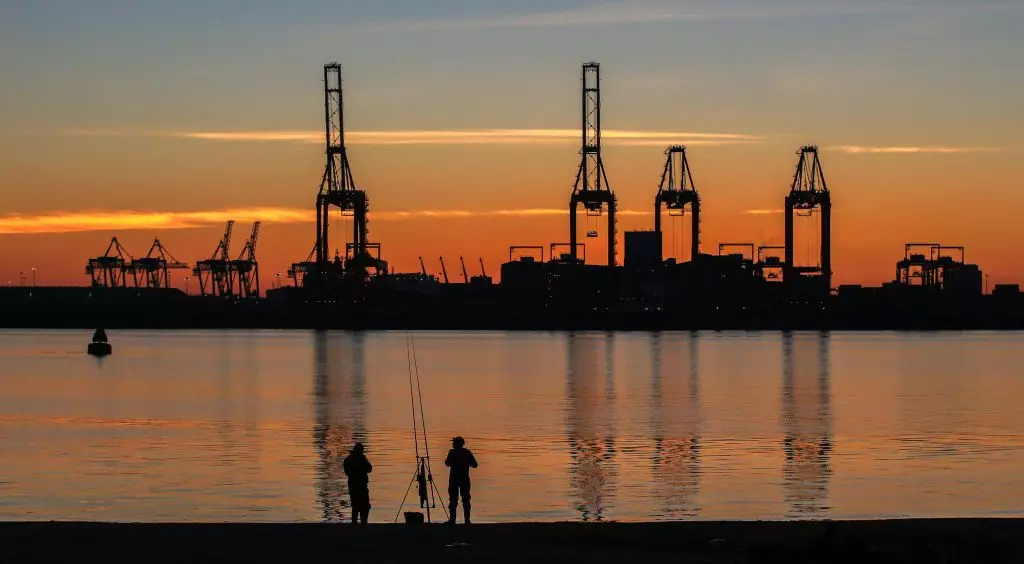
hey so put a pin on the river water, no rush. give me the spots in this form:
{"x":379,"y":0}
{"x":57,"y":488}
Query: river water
{"x":253,"y":425}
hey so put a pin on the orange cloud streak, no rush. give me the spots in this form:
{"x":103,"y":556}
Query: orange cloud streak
{"x":72,"y":222}
{"x":448,"y":137}
{"x":903,"y":150}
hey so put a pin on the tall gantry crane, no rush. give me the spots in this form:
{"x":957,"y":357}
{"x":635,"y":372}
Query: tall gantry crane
{"x":245,"y":269}
{"x":152,"y":270}
{"x":338,"y":187}
{"x":592,"y":190}
{"x":112,"y":269}
{"x":215,"y":273}
{"x":677,"y":191}
{"x":807,"y":195}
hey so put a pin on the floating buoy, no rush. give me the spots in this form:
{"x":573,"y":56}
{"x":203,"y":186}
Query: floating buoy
{"x":99,"y":345}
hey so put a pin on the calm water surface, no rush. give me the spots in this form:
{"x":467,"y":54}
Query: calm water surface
{"x":253,"y":425}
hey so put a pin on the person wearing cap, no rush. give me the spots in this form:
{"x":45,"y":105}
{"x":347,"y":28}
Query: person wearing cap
{"x":357,"y":468}
{"x":460,"y":460}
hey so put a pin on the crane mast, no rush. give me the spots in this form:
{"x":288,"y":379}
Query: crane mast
{"x":591,"y":190}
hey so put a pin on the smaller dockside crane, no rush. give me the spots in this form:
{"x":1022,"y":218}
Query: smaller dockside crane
{"x":152,"y":270}
{"x":215,"y":273}
{"x":677,"y":192}
{"x":465,"y":277}
{"x":245,"y":270}
{"x":808,"y":195}
{"x":112,"y":269}
{"x":444,"y":271}
{"x":482,"y":278}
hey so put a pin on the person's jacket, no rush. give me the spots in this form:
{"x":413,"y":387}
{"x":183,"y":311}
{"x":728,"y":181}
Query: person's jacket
{"x":460,"y":460}
{"x":357,"y":468}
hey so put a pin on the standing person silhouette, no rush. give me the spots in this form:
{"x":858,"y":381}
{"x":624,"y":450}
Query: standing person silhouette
{"x":460,"y":460}
{"x":357,"y":468}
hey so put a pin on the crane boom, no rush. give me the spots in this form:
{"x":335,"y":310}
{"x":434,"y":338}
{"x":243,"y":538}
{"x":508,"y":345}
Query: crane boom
{"x":444,"y":271}
{"x":465,"y":277}
{"x":423,"y":268}
{"x":482,"y":269}
{"x":249,"y":251}
{"x":225,"y":243}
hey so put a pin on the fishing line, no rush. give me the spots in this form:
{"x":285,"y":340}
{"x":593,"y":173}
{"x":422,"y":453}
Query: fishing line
{"x":423,"y":476}
{"x":419,"y":392}
{"x":412,"y":399}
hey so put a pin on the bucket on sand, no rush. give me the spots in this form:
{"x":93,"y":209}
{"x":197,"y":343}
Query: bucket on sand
{"x":413,"y":518}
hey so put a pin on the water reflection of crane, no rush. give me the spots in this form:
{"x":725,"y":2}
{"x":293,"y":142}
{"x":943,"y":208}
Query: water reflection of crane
{"x":590,"y":423}
{"x":339,"y":408}
{"x":807,"y":423}
{"x":675,"y":421}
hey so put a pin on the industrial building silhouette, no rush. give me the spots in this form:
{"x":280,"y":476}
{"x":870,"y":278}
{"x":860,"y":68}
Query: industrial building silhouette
{"x":548,"y":284}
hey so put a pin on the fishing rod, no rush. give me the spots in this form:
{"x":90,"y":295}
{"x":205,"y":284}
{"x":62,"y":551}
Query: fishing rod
{"x":422,"y":477}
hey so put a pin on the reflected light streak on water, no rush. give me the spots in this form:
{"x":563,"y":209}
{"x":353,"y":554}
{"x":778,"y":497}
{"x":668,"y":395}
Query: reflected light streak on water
{"x":253,"y":425}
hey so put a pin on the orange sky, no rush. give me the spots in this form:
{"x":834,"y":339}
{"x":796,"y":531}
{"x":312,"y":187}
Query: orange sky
{"x":181,"y":117}
{"x":475,"y":200}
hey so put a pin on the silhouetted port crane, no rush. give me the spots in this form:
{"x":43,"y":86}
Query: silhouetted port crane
{"x":677,"y":191}
{"x":112,"y":269}
{"x":918,"y":268}
{"x":769,"y":264}
{"x":592,"y":189}
{"x":809,"y":193}
{"x":152,"y":270}
{"x":465,"y":276}
{"x":245,"y":270}
{"x":750,"y":255}
{"x":944,"y":268}
{"x":444,"y":271}
{"x":423,"y":268}
{"x":482,"y":278}
{"x":215,"y":273}
{"x":338,"y":189}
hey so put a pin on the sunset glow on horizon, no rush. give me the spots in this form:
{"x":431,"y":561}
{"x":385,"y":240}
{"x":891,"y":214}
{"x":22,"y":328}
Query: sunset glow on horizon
{"x":463,"y":125}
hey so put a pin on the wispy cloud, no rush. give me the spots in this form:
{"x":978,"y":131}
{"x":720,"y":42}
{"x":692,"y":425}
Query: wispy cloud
{"x":448,"y":136}
{"x":454,"y":214}
{"x":763,"y":212}
{"x":303,"y":136}
{"x":127,"y":220}
{"x":911,"y":149}
{"x":653,"y":11}
{"x":70,"y":222}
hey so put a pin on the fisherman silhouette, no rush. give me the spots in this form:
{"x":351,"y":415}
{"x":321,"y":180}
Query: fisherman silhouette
{"x":460,"y":460}
{"x":357,"y":468}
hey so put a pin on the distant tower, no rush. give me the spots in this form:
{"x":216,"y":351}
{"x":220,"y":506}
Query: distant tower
{"x":809,"y":192}
{"x":677,"y":191}
{"x":591,"y":188}
{"x":338,"y":188}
